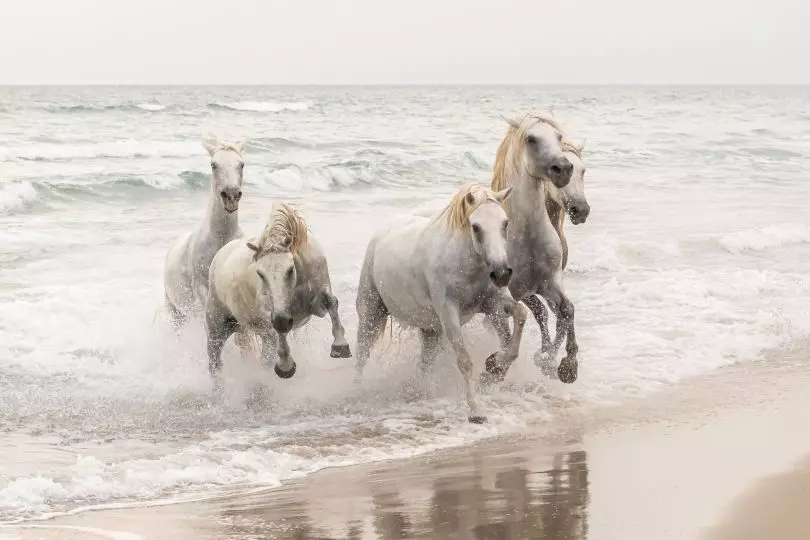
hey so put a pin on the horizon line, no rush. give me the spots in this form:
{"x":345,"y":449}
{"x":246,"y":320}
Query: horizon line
{"x":391,"y":85}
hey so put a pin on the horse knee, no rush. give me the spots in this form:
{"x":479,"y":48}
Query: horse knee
{"x":567,"y":309}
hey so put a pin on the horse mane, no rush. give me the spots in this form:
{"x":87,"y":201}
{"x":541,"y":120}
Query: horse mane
{"x":457,"y":212}
{"x":507,"y":158}
{"x":286,"y":228}
{"x":219,"y":144}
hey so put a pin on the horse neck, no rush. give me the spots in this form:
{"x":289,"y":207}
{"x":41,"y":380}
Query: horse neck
{"x":555,"y":213}
{"x":527,"y":203}
{"x":218,"y":222}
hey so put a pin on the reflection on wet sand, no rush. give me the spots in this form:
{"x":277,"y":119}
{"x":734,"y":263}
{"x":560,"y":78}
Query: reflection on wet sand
{"x":475,"y":496}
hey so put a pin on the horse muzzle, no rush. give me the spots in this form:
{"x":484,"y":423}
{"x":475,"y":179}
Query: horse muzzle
{"x":560,"y":172}
{"x":230,"y":199}
{"x":579,"y":213}
{"x":282,"y":323}
{"x":501,"y":276}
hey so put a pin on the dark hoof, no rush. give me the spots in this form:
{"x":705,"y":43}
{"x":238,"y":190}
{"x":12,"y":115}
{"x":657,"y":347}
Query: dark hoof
{"x":477,"y":419}
{"x":284,"y":374}
{"x":567,"y":372}
{"x":341,"y":351}
{"x":493,"y":368}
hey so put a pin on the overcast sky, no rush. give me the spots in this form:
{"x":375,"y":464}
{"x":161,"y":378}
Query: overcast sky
{"x":404,"y":42}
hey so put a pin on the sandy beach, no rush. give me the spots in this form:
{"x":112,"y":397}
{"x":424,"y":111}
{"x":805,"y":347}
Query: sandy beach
{"x":723,"y":456}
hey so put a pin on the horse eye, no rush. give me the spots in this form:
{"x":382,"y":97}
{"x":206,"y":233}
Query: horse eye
{"x":290,"y":273}
{"x":559,"y":136}
{"x":214,"y":165}
{"x":476,"y":229}
{"x":531,"y":139}
{"x":505,"y":225}
{"x":241,"y":166}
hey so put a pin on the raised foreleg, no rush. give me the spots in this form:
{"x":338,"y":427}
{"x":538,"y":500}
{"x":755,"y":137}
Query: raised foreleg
{"x":545,"y":358}
{"x":564,"y":310}
{"x":498,"y":364}
{"x":328,"y":302}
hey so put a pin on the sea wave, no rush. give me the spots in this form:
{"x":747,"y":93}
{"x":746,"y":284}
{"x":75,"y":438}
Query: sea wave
{"x":765,"y":238}
{"x":19,"y":196}
{"x":16,"y":196}
{"x":244,"y":459}
{"x":83,"y":108}
{"x":151,"y":107}
{"x":112,"y":149}
{"x":262,"y":106}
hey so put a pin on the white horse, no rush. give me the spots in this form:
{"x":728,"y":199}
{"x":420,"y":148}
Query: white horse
{"x":529,"y":158}
{"x":436,"y":275}
{"x":571,"y":201}
{"x":267,"y":287}
{"x":185,"y":279}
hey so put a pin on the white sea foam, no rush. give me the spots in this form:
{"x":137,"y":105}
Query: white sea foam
{"x":14,"y":196}
{"x":151,"y":107}
{"x":765,"y":238}
{"x":265,"y":106}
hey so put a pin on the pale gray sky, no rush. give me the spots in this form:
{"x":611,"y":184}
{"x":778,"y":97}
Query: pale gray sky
{"x":404,"y":42}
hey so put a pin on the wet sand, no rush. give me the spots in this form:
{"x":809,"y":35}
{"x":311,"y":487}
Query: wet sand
{"x":723,"y":456}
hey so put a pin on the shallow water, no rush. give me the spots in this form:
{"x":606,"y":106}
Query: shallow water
{"x":695,"y":256}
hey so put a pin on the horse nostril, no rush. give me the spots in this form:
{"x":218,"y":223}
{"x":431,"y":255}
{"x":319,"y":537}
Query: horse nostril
{"x":282,"y":323}
{"x":508,"y":273}
{"x":493,"y":276}
{"x":556,"y":169}
{"x":223,"y":194}
{"x":239,"y":194}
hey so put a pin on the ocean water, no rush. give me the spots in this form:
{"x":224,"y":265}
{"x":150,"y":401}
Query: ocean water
{"x":696,"y":255}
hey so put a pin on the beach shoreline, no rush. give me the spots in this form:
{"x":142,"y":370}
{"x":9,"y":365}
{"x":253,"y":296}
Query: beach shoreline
{"x":671,"y":465}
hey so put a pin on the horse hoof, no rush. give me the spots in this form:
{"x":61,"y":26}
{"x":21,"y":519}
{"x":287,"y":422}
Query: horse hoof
{"x":284,"y":374}
{"x":477,"y":419}
{"x":341,"y":351}
{"x":567,"y":372}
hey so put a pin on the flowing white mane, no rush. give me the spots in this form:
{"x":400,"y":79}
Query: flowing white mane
{"x":214,"y":144}
{"x":286,"y":229}
{"x":463,"y":204}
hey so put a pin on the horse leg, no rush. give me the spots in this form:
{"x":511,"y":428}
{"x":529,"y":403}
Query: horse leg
{"x":451,"y":325}
{"x":340,"y":347}
{"x":219,"y":327}
{"x":372,"y":316}
{"x":430,"y":348}
{"x":176,"y":317}
{"x":498,"y":364}
{"x":285,"y":367}
{"x":245,"y":339}
{"x":564,"y":308}
{"x":543,"y":358}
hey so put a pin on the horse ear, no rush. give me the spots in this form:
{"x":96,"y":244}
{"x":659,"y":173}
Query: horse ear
{"x":286,"y":242}
{"x":511,"y":121}
{"x":210,"y":148}
{"x":240,"y":146}
{"x":253,"y":247}
{"x":503,"y":194}
{"x":469,"y":199}
{"x":581,"y":146}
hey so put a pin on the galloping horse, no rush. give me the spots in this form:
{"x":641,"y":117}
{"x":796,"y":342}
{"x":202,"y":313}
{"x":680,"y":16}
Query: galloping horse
{"x":531,"y":156}
{"x":436,"y":275}
{"x":267,"y":287}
